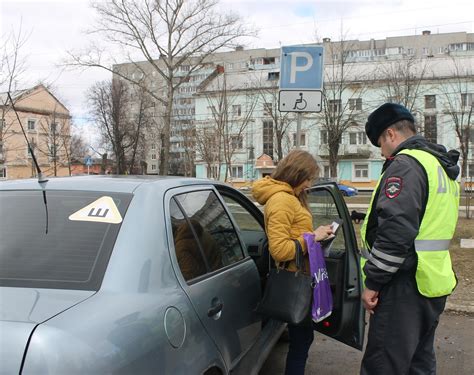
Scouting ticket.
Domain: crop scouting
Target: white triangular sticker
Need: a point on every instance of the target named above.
(103, 210)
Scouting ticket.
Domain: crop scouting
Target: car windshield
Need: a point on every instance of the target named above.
(64, 244)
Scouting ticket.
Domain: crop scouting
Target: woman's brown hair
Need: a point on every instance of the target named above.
(297, 167)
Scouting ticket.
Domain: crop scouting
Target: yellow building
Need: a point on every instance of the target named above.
(46, 123)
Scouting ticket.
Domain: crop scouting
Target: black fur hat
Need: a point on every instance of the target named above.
(384, 116)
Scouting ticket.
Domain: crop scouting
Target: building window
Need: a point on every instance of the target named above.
(153, 146)
(31, 125)
(456, 46)
(335, 106)
(2, 124)
(237, 171)
(3, 173)
(467, 100)
(53, 128)
(273, 76)
(268, 138)
(268, 60)
(327, 171)
(153, 156)
(237, 110)
(471, 134)
(236, 142)
(431, 131)
(267, 109)
(302, 139)
(470, 170)
(212, 171)
(355, 104)
(357, 138)
(323, 135)
(361, 171)
(153, 167)
(430, 101)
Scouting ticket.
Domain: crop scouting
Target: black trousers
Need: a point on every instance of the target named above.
(402, 330)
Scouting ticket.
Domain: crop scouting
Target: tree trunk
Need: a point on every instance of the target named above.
(165, 135)
(333, 159)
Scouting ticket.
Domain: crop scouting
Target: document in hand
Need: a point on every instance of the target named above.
(326, 244)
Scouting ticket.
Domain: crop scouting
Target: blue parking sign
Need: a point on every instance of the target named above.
(88, 161)
(301, 68)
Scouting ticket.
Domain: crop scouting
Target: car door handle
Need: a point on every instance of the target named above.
(215, 310)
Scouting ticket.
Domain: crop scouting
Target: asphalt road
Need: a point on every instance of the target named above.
(454, 350)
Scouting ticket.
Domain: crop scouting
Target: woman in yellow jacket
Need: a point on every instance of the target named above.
(287, 217)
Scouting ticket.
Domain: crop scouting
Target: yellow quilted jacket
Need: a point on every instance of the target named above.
(286, 219)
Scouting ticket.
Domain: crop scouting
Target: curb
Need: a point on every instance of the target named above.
(454, 307)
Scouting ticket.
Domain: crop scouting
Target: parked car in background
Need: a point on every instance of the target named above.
(347, 191)
(102, 274)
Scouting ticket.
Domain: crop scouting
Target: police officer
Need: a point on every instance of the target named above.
(410, 222)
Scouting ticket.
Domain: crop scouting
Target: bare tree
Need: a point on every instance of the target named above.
(12, 66)
(458, 105)
(343, 88)
(402, 80)
(268, 93)
(230, 120)
(78, 147)
(178, 32)
(121, 130)
(75, 149)
(208, 147)
(56, 138)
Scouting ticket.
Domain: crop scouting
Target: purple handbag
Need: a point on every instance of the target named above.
(322, 296)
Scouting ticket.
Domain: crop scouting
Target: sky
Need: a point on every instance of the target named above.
(55, 26)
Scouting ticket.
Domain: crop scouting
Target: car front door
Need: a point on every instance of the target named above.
(346, 323)
(216, 273)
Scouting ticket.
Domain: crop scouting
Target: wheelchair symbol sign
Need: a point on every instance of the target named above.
(300, 101)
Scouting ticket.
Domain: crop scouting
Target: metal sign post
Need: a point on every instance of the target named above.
(301, 82)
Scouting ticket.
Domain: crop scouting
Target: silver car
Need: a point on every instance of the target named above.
(134, 275)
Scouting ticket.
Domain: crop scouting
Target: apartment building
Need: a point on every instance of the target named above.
(430, 73)
(46, 122)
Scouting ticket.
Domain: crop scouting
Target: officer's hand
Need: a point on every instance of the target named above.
(370, 299)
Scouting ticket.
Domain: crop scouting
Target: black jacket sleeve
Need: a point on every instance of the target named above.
(400, 207)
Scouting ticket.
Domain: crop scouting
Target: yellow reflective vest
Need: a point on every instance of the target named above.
(434, 274)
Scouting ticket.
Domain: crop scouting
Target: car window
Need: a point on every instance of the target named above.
(46, 246)
(213, 227)
(190, 258)
(324, 211)
(244, 219)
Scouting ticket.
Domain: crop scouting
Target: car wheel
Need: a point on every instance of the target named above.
(344, 193)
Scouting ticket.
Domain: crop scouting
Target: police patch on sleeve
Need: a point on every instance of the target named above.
(393, 187)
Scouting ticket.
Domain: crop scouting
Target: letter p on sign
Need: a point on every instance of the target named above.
(299, 68)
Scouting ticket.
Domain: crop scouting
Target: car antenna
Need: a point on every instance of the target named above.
(41, 179)
(40, 175)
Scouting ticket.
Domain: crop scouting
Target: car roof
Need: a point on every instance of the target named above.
(110, 183)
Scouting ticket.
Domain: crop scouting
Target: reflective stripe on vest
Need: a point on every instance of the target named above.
(434, 274)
